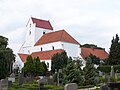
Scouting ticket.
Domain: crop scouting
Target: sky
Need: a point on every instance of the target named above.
(88, 21)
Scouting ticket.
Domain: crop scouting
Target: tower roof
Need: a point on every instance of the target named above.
(60, 35)
(42, 23)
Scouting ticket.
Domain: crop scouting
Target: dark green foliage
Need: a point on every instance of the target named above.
(6, 58)
(91, 46)
(59, 61)
(38, 67)
(114, 55)
(73, 73)
(95, 59)
(45, 68)
(90, 73)
(29, 66)
(34, 66)
(107, 68)
(3, 42)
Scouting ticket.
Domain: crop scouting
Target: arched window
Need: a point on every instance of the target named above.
(53, 47)
(41, 48)
(30, 24)
(47, 65)
(29, 32)
(43, 32)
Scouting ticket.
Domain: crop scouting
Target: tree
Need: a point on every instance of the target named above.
(114, 54)
(91, 46)
(29, 66)
(33, 67)
(94, 59)
(90, 73)
(59, 61)
(6, 58)
(45, 68)
(72, 74)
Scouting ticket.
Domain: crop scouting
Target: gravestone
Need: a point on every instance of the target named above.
(12, 77)
(20, 80)
(59, 78)
(104, 87)
(71, 86)
(4, 84)
(50, 80)
(114, 85)
(41, 84)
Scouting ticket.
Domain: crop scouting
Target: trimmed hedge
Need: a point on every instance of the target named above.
(107, 68)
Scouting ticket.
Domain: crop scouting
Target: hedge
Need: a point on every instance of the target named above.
(107, 68)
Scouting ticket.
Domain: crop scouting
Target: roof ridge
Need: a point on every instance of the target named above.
(39, 19)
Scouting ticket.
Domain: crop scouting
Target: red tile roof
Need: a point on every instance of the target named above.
(60, 35)
(23, 57)
(43, 55)
(102, 54)
(42, 23)
(46, 55)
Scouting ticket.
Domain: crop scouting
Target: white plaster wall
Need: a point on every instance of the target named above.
(46, 47)
(47, 61)
(39, 33)
(29, 40)
(72, 50)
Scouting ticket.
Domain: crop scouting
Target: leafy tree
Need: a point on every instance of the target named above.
(33, 67)
(38, 68)
(91, 46)
(72, 73)
(114, 55)
(29, 66)
(59, 61)
(90, 73)
(45, 68)
(94, 59)
(6, 58)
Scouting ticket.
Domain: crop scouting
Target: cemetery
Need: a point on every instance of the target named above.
(63, 72)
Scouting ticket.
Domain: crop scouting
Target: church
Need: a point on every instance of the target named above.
(42, 41)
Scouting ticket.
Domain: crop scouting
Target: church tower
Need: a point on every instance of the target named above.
(36, 28)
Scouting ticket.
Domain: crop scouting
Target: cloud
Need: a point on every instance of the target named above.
(88, 21)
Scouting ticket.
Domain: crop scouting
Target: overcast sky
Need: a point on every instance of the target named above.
(88, 21)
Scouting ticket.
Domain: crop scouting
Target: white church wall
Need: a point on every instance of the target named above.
(39, 32)
(29, 40)
(48, 63)
(72, 50)
(46, 47)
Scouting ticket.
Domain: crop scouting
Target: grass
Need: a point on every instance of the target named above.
(33, 86)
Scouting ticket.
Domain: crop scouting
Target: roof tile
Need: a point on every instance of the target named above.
(43, 55)
(42, 23)
(60, 35)
(102, 54)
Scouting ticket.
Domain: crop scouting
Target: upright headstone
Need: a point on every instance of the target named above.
(71, 86)
(59, 77)
(0, 84)
(104, 87)
(20, 80)
(41, 83)
(12, 77)
(4, 84)
(112, 73)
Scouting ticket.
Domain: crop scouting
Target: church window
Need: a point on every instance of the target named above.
(43, 32)
(53, 47)
(41, 48)
(47, 65)
(29, 32)
(30, 24)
